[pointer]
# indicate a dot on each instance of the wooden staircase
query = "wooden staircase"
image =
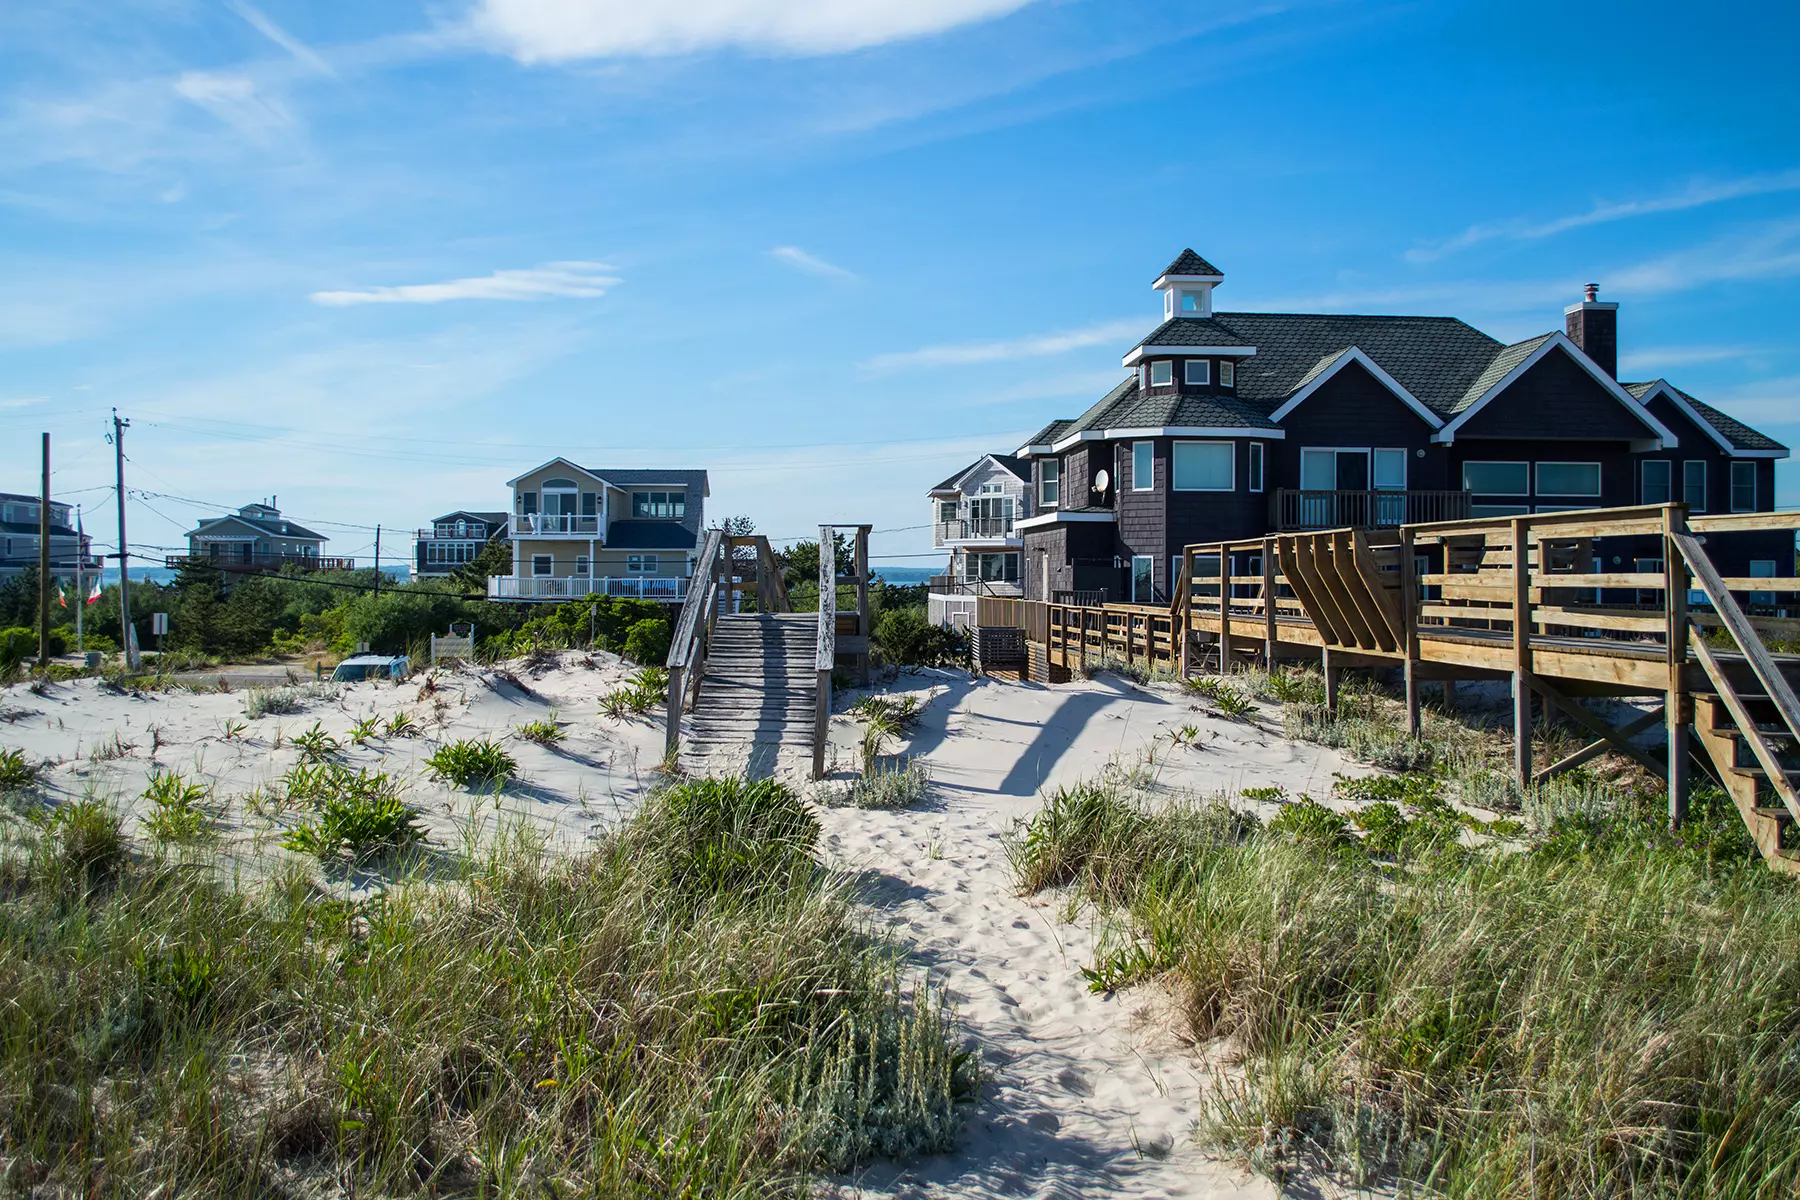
(758, 696)
(1747, 781)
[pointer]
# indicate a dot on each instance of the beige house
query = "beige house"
(580, 531)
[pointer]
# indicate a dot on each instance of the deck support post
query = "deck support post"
(1184, 611)
(1333, 676)
(1268, 593)
(1409, 631)
(1678, 706)
(1449, 694)
(1521, 675)
(1224, 610)
(821, 717)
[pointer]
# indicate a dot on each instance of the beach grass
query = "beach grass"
(689, 1008)
(1596, 1008)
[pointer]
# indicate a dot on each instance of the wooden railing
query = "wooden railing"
(832, 641)
(1370, 508)
(259, 562)
(693, 634)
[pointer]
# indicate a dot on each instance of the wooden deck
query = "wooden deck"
(1512, 599)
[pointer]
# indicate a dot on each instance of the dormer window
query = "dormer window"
(1227, 374)
(1162, 373)
(1190, 302)
(1198, 371)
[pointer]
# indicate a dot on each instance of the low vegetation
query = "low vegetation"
(16, 771)
(544, 732)
(901, 783)
(645, 692)
(178, 809)
(691, 1009)
(473, 762)
(1425, 1001)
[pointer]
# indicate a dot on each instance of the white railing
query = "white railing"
(570, 587)
(972, 529)
(552, 524)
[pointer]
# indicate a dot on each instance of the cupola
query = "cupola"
(1186, 285)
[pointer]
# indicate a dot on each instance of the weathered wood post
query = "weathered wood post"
(1678, 705)
(1224, 610)
(1521, 673)
(1333, 671)
(1268, 591)
(1409, 629)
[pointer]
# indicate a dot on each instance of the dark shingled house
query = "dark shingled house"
(1233, 424)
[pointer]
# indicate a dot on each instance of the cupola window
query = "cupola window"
(1199, 371)
(1227, 374)
(1162, 373)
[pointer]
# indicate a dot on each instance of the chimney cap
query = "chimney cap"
(1592, 292)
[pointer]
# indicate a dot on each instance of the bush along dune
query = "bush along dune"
(690, 1009)
(1592, 1009)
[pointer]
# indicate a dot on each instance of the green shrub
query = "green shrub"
(273, 702)
(727, 839)
(178, 814)
(1308, 822)
(363, 824)
(1068, 835)
(315, 745)
(906, 638)
(473, 762)
(647, 642)
(83, 840)
(900, 784)
(16, 771)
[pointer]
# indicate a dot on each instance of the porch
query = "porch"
(1297, 510)
(999, 530)
(571, 587)
(553, 525)
(251, 561)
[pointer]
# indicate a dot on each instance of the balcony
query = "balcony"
(259, 562)
(553, 525)
(573, 587)
(1293, 510)
(950, 585)
(973, 529)
(449, 533)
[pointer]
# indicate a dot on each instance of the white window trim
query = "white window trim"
(1232, 457)
(1497, 462)
(1731, 500)
(1668, 483)
(1537, 483)
(1258, 467)
(1136, 485)
(583, 566)
(1705, 484)
(645, 564)
(1187, 372)
(1138, 354)
(1405, 468)
(536, 559)
(1227, 373)
(1050, 465)
(1164, 364)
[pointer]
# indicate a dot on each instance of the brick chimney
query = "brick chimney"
(1595, 328)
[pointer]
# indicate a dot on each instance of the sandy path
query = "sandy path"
(1088, 1095)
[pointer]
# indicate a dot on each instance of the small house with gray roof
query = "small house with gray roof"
(608, 531)
(257, 538)
(975, 515)
(1232, 425)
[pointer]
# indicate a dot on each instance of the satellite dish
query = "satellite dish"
(1101, 479)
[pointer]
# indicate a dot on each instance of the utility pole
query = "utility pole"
(131, 658)
(378, 560)
(80, 586)
(44, 564)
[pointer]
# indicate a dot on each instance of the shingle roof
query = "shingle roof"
(279, 527)
(490, 518)
(636, 477)
(1189, 263)
(1740, 435)
(1049, 433)
(1194, 331)
(649, 535)
(1497, 369)
(1018, 466)
(1434, 358)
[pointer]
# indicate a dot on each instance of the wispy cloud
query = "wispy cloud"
(561, 31)
(235, 100)
(1765, 402)
(1658, 357)
(1695, 195)
(551, 281)
(799, 259)
(302, 53)
(964, 354)
(1086, 385)
(23, 402)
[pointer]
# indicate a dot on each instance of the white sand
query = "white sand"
(1087, 1095)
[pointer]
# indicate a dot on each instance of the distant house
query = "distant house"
(19, 538)
(1236, 425)
(611, 531)
(455, 539)
(258, 538)
(975, 515)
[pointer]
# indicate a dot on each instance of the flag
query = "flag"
(94, 593)
(62, 595)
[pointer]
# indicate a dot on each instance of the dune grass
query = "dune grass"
(690, 1009)
(1598, 1009)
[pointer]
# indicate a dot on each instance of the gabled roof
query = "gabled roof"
(1331, 364)
(491, 518)
(1513, 361)
(627, 476)
(1189, 263)
(278, 527)
(1732, 435)
(1502, 365)
(1019, 467)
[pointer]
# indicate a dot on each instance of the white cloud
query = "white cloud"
(302, 53)
(235, 100)
(563, 30)
(23, 402)
(1763, 403)
(964, 354)
(1696, 195)
(795, 257)
(1658, 357)
(558, 280)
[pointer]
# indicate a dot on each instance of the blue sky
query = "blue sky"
(377, 259)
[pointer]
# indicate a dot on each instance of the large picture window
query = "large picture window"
(1202, 466)
(1655, 476)
(1497, 478)
(640, 564)
(1568, 479)
(1743, 487)
(658, 504)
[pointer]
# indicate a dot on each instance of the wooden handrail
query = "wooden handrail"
(1738, 625)
(687, 649)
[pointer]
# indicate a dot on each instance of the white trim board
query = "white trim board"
(1355, 355)
(1665, 388)
(1214, 432)
(1066, 518)
(1555, 341)
(1138, 353)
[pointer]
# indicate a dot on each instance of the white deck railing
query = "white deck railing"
(553, 524)
(570, 587)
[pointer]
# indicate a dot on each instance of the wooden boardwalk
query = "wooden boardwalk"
(1514, 599)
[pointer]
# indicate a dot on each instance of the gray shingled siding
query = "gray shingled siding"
(1354, 409)
(1556, 397)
